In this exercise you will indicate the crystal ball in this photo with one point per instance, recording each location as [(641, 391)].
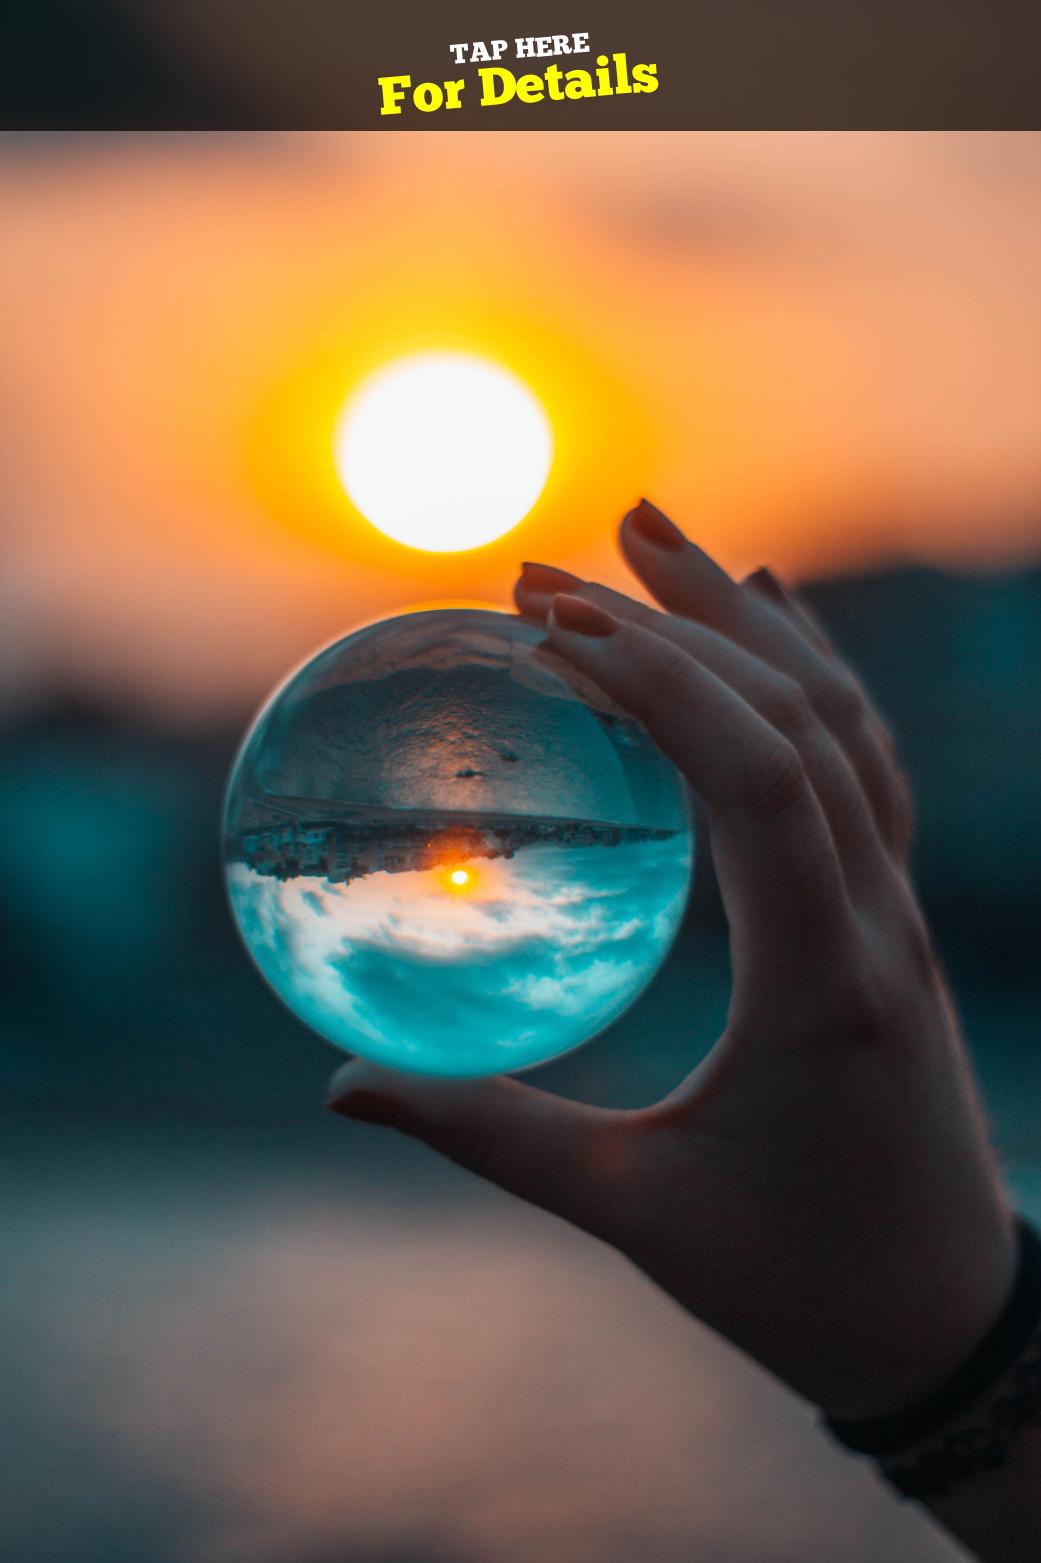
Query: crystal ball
[(448, 851)]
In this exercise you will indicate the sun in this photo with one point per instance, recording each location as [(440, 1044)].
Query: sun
[(443, 451)]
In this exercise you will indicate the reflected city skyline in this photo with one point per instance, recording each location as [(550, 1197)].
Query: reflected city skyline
[(399, 840)]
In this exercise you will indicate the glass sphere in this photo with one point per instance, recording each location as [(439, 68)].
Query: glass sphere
[(448, 851)]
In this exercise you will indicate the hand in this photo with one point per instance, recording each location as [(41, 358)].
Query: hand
[(820, 1190)]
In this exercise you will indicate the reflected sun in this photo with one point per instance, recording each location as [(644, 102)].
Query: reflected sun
[(456, 879), (443, 451)]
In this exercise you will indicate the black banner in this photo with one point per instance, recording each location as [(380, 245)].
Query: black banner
[(467, 65)]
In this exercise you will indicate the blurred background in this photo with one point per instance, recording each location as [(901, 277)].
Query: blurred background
[(234, 1329)]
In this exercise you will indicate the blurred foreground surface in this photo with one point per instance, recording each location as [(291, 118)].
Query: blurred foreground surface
[(237, 1329), (314, 1347)]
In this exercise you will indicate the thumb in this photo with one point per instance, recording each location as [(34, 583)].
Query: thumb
[(556, 1153)]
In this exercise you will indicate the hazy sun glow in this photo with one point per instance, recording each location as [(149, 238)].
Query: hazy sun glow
[(443, 451)]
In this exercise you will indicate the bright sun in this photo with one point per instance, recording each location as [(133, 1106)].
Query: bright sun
[(443, 451)]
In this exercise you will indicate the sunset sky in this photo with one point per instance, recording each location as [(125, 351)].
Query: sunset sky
[(821, 350)]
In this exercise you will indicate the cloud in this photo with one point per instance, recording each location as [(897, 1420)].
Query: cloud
[(550, 947), (578, 992)]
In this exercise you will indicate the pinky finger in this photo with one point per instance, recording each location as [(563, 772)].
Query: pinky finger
[(883, 764), (766, 583)]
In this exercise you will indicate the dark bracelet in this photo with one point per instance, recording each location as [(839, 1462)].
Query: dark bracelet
[(917, 1449), (965, 1451)]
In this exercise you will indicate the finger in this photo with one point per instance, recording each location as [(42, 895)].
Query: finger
[(537, 585), (778, 868), (772, 694), (685, 580), (767, 584), (559, 1154)]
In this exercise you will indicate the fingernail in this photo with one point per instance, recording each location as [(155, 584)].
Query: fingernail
[(366, 1107), (545, 579), (765, 581), (656, 528), (581, 617)]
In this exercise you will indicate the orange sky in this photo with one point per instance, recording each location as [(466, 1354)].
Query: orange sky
[(822, 350)]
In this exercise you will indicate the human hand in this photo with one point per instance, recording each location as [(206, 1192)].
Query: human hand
[(820, 1190)]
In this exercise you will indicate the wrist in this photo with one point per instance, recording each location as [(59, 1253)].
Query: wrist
[(936, 1439), (934, 1324)]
